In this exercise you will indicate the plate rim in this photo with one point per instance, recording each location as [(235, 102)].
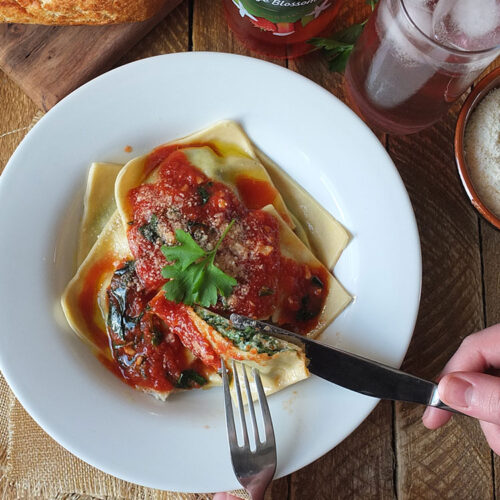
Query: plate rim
[(75, 95)]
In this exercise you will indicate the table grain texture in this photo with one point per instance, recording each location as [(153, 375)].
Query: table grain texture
[(391, 455)]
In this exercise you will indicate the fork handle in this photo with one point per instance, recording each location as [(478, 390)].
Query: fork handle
[(257, 486), (256, 492)]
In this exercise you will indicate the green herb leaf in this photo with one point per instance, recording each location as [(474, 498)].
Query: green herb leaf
[(338, 63), (184, 283), (193, 276), (215, 282), (338, 47), (186, 253)]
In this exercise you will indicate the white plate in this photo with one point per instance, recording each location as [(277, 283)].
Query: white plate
[(181, 445)]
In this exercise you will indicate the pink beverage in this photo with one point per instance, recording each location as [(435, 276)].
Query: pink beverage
[(416, 57)]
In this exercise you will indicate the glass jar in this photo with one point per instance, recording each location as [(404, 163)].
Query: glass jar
[(280, 28)]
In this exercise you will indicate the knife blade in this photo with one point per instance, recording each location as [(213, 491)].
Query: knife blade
[(354, 372)]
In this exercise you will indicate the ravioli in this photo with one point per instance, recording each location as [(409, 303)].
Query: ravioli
[(206, 184), (336, 298), (98, 205), (212, 337), (222, 153)]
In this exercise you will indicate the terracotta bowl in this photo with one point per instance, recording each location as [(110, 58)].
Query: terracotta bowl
[(489, 82)]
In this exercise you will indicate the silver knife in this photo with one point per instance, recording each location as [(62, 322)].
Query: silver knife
[(354, 372)]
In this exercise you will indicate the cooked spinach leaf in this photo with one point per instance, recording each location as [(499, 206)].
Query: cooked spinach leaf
[(317, 282), (305, 313), (118, 320), (246, 339), (188, 378), (203, 194), (157, 337), (150, 230), (265, 291)]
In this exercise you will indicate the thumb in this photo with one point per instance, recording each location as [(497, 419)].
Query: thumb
[(475, 394)]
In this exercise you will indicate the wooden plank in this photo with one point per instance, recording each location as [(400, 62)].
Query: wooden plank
[(361, 467), (454, 461), (490, 243), (490, 237), (169, 36), (48, 62)]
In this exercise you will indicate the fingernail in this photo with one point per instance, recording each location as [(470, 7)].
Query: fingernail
[(455, 391), (426, 413)]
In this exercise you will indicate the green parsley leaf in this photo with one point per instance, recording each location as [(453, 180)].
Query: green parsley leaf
[(216, 283), (186, 253), (338, 47), (193, 276), (338, 63)]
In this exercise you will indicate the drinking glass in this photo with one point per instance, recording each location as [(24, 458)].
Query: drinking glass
[(416, 57)]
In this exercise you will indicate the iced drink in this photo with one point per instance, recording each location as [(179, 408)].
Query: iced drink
[(416, 57)]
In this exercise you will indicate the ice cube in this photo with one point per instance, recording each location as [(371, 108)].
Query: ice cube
[(420, 12), (467, 24)]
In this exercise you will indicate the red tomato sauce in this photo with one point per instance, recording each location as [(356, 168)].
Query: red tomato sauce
[(146, 353), (185, 198), (161, 153), (180, 323), (255, 193), (154, 342), (305, 289)]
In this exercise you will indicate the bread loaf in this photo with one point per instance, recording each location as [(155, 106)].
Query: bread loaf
[(77, 11)]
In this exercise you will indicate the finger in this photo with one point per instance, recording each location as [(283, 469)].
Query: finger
[(475, 394), (433, 418), (477, 353)]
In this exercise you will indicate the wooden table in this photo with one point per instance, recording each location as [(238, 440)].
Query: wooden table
[(391, 455)]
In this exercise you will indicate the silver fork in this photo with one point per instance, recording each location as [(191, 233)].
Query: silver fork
[(254, 469)]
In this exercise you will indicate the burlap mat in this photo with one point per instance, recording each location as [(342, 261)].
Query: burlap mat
[(34, 466)]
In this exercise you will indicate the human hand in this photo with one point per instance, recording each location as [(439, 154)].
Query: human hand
[(465, 386)]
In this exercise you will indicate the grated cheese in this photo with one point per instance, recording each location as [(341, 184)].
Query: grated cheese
[(482, 150)]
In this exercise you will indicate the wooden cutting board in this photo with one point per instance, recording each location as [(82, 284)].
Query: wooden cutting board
[(48, 62)]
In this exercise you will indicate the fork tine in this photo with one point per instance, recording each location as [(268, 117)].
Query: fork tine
[(268, 424), (251, 406), (231, 429), (253, 469), (241, 408)]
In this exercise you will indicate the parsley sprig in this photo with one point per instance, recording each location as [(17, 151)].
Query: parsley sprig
[(338, 47), (193, 276)]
